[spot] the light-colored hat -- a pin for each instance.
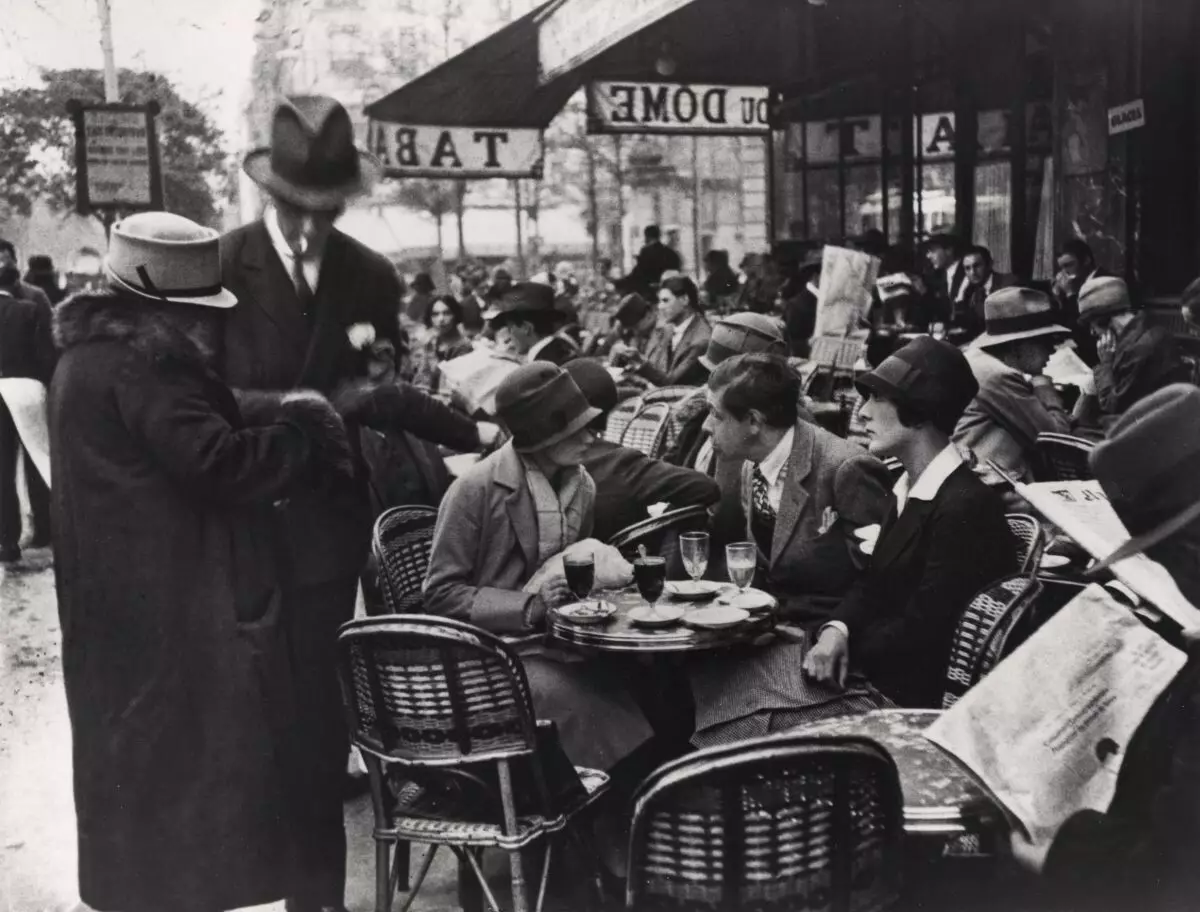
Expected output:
(741, 333)
(894, 285)
(1102, 295)
(1150, 467)
(165, 257)
(541, 405)
(312, 161)
(1014, 313)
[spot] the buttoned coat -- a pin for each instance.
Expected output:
(484, 550)
(811, 567)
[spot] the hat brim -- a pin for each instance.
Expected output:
(988, 339)
(257, 165)
(1140, 543)
(578, 423)
(871, 384)
(223, 300)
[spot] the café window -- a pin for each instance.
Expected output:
(831, 179)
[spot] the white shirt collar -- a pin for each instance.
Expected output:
(776, 460)
(312, 263)
(536, 348)
(931, 480)
(678, 331)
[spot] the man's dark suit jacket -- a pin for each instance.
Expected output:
(927, 565)
(26, 345)
(270, 345)
(628, 481)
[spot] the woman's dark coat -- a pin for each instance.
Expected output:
(176, 674)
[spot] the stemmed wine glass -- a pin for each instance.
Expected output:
(693, 548)
(580, 571)
(650, 574)
(741, 558)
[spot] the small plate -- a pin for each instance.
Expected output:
(662, 615)
(1055, 561)
(752, 600)
(720, 617)
(692, 590)
(589, 612)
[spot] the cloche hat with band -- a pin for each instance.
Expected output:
(312, 161)
(165, 257)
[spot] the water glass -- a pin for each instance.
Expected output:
(693, 548)
(741, 558)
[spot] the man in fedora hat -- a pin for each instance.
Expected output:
(1141, 851)
(312, 300)
(175, 665)
(1015, 402)
(525, 320)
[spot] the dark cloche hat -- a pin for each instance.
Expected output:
(927, 376)
(541, 405)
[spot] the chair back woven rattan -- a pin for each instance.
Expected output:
(619, 418)
(1061, 457)
(982, 635)
(432, 690)
(647, 432)
(668, 394)
(401, 542)
(1030, 541)
(770, 824)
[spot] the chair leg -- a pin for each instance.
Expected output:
(383, 877)
(470, 898)
(426, 862)
(401, 862)
(520, 902)
(545, 875)
(473, 860)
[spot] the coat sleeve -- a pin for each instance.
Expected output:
(1135, 370)
(654, 481)
(689, 371)
(449, 587)
(168, 410)
(403, 407)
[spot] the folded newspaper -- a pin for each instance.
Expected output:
(1046, 732)
(26, 401)
(1081, 509)
(476, 375)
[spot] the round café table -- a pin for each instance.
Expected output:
(941, 801)
(618, 635)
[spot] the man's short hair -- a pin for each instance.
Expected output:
(6, 246)
(544, 324)
(980, 251)
(652, 233)
(1078, 248)
(944, 241)
(760, 382)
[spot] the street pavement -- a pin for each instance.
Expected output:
(37, 813)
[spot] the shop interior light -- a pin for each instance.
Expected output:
(665, 64)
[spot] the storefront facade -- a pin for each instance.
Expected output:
(991, 119)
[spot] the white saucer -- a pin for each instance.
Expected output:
(692, 590)
(661, 616)
(719, 617)
(752, 600)
(591, 611)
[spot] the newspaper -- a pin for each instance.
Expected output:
(1067, 369)
(26, 401)
(475, 377)
(1082, 511)
(1047, 731)
(844, 294)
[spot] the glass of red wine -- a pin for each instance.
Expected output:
(580, 570)
(650, 574)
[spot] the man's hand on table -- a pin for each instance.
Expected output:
(829, 660)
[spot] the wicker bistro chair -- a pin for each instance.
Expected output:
(771, 824)
(619, 418)
(442, 706)
(668, 394)
(647, 431)
(981, 638)
(401, 542)
(1029, 539)
(1061, 457)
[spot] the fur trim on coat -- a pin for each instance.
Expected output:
(145, 327)
(307, 410)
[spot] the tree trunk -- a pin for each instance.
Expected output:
(460, 198)
(438, 219)
(619, 175)
(593, 202)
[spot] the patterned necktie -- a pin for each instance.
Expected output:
(304, 292)
(762, 519)
(762, 503)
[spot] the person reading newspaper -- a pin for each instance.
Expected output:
(1142, 852)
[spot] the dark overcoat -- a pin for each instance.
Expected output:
(177, 680)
